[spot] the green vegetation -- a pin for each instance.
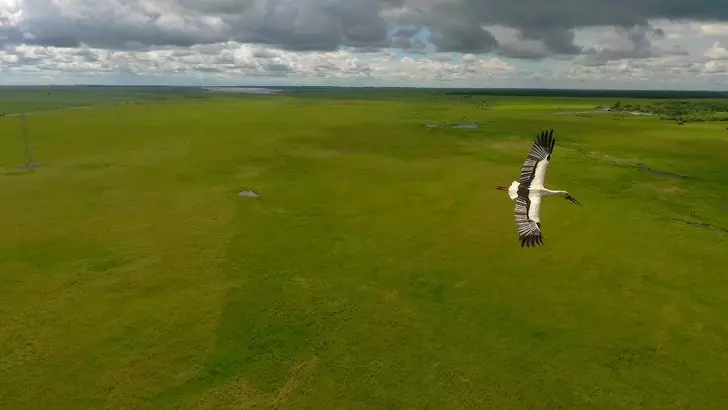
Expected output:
(379, 268)
(680, 110)
(15, 100)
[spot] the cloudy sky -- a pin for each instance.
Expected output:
(676, 44)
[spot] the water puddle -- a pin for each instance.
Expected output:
(460, 125)
(244, 90)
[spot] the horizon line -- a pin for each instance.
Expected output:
(631, 90)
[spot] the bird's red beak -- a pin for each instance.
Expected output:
(501, 188)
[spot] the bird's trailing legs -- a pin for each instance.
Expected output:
(571, 198)
(566, 195)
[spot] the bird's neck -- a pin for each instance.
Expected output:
(549, 192)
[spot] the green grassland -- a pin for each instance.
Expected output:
(14, 100)
(379, 268)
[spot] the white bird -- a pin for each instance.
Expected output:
(528, 190)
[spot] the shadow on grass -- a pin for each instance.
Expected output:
(261, 333)
(700, 225)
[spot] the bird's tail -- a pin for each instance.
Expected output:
(512, 190)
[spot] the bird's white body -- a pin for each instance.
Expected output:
(529, 189)
(539, 191)
(535, 193)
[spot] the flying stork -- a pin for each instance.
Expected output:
(528, 190)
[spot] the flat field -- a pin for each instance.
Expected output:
(379, 268)
(15, 100)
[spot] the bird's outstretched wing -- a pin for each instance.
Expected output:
(533, 170)
(527, 209)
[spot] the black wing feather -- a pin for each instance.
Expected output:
(529, 231)
(542, 148)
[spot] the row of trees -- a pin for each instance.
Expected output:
(680, 110)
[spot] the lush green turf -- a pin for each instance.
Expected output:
(378, 269)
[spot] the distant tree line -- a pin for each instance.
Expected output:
(535, 92)
(680, 110)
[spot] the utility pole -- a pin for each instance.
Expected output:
(29, 155)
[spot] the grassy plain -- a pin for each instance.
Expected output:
(378, 269)
(15, 100)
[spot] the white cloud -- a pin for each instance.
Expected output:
(717, 52)
(715, 29)
(233, 60)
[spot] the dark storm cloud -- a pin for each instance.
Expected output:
(218, 7)
(465, 37)
(289, 24)
(558, 40)
(453, 29)
(320, 25)
(553, 21)
(522, 50)
(455, 25)
(640, 47)
(568, 14)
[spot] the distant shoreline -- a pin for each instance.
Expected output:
(454, 91)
